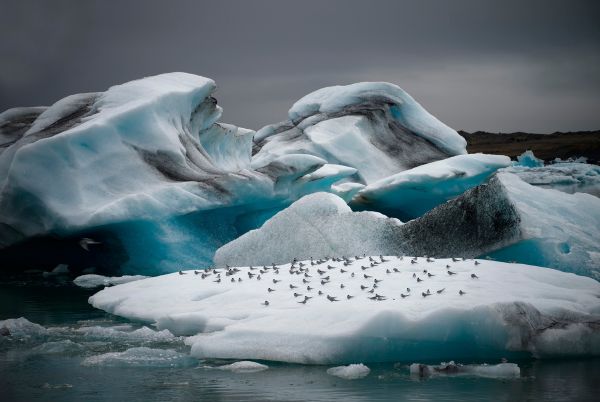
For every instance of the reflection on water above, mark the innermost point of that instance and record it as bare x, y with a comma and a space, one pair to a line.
49, 367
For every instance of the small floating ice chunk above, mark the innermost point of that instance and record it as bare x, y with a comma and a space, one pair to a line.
502, 370
143, 334
61, 269
93, 281
141, 357
350, 372
58, 347
21, 328
244, 366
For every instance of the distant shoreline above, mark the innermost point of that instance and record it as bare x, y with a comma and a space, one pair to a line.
544, 146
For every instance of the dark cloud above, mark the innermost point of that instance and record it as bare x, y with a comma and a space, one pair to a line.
491, 65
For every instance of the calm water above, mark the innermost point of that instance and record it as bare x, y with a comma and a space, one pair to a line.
28, 374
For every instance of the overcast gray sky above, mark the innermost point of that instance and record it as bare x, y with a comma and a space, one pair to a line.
475, 64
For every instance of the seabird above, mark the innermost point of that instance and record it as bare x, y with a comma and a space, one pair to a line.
331, 298
425, 294
305, 281
182, 273
402, 295
396, 270
297, 294
460, 292
86, 242
429, 274
218, 280
387, 271
362, 287
419, 280
196, 272
349, 297
320, 293
309, 288
293, 286
323, 282
232, 279
474, 276
276, 280
265, 303
439, 292
367, 276
413, 261
307, 297
343, 270
414, 275
408, 290
451, 273
342, 286
303, 301
258, 278
352, 274
377, 280
477, 262
270, 290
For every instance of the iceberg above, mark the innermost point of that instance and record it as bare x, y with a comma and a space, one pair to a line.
411, 193
510, 220
503, 218
569, 177
374, 127
388, 309
528, 159
145, 171
317, 225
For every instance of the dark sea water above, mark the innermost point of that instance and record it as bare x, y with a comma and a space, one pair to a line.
28, 372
